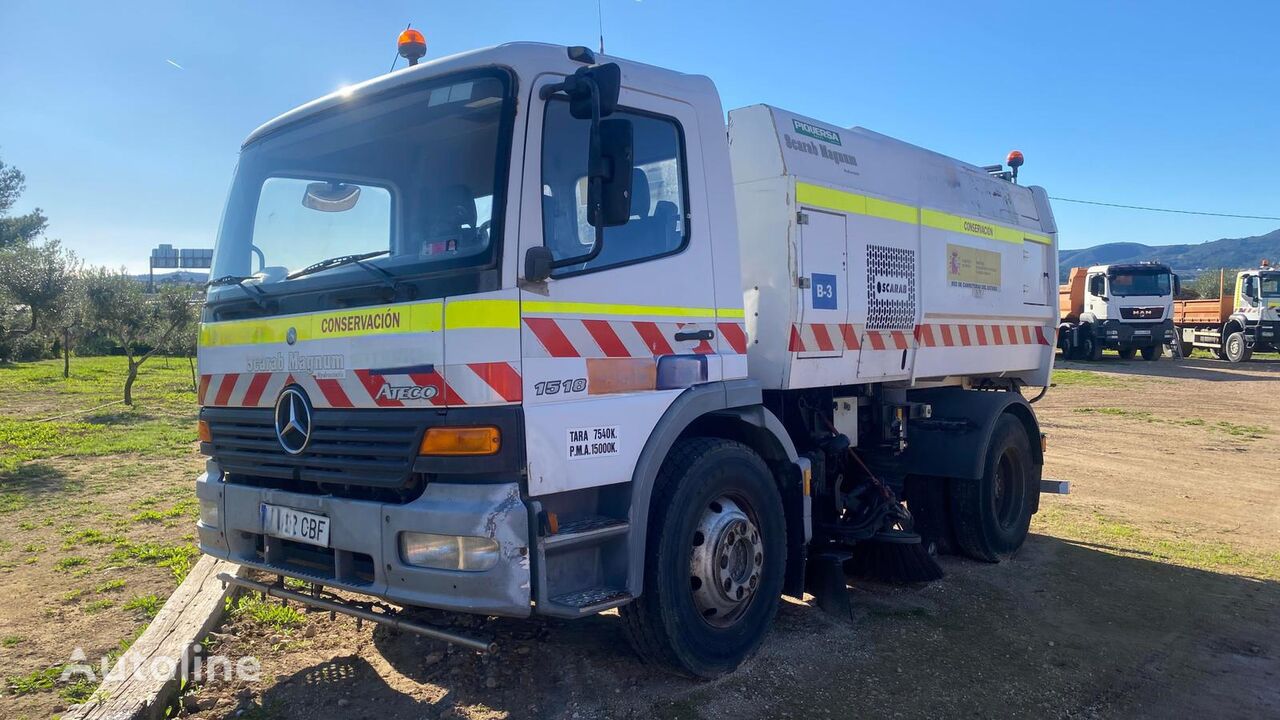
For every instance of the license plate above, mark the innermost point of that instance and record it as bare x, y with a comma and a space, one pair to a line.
1141, 332
283, 522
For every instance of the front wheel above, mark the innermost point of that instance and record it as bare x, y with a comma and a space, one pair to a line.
1126, 353
713, 575
1237, 349
992, 514
1152, 352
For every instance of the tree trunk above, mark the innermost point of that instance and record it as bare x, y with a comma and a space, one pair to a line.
66, 354
192, 362
128, 382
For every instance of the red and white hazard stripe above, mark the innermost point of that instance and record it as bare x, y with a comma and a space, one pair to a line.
463, 384
830, 337
980, 335
592, 338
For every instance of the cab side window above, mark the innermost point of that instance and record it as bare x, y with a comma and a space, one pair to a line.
1097, 285
1249, 289
657, 226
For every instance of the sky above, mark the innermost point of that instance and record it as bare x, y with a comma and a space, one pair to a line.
127, 116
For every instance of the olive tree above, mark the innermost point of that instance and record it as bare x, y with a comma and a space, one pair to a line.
34, 279
141, 324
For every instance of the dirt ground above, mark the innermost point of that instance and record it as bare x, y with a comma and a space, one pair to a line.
1150, 591
96, 518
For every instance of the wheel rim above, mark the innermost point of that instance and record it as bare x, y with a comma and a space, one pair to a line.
1233, 347
725, 562
1007, 495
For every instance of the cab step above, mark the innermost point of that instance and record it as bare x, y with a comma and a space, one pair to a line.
588, 602
584, 532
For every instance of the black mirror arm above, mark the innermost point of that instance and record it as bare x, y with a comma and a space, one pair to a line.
595, 176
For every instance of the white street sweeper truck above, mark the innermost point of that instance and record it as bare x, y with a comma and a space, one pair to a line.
529, 331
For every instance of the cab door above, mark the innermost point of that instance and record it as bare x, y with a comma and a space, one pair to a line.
607, 344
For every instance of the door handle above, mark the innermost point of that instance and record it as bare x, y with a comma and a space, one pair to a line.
694, 335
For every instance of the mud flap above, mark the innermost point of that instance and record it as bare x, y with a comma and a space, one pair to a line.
827, 584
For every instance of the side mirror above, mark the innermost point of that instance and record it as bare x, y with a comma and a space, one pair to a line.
538, 262
607, 79
610, 199
1177, 286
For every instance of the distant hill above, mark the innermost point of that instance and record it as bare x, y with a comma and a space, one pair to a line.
1186, 260
177, 277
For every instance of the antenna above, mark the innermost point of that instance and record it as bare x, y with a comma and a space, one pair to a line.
600, 18
395, 59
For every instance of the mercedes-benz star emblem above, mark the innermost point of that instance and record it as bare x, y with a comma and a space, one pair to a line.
293, 420
291, 336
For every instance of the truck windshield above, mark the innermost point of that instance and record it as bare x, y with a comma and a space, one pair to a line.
410, 179
1141, 282
1270, 285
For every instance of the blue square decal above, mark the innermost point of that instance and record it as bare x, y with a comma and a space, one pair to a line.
824, 291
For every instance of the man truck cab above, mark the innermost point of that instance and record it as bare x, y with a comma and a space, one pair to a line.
527, 331
1127, 308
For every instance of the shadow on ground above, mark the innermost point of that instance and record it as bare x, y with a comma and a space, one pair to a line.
1062, 630
1194, 368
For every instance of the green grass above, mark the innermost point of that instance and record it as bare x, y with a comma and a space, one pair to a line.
110, 586
270, 614
11, 641
35, 681
145, 605
178, 558
162, 421
1127, 539
67, 563
1088, 378
1248, 432
96, 606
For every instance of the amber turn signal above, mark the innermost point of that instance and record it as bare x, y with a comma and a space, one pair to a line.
202, 431
460, 441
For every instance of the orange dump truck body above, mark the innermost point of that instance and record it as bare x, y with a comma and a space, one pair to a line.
1071, 296
1213, 311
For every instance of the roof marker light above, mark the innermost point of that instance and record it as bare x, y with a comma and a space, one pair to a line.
412, 45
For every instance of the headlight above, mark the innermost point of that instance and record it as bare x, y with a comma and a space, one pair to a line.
209, 513
448, 552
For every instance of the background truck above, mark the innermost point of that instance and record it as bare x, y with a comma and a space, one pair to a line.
1118, 307
524, 332
1234, 326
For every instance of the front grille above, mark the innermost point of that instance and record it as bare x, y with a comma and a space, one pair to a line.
370, 449
312, 562
1142, 313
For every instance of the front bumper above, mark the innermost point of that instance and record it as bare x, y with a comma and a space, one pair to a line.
364, 556
1121, 335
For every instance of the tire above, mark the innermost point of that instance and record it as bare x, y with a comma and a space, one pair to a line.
1127, 353
1184, 348
1090, 348
1064, 343
992, 515
1236, 349
704, 488
1152, 353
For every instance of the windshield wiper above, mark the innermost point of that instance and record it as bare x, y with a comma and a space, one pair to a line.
341, 260
238, 280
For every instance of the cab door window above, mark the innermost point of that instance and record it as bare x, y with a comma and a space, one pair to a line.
658, 225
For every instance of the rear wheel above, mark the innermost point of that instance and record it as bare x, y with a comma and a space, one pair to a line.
1090, 347
1152, 352
714, 571
1127, 353
992, 514
1237, 348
